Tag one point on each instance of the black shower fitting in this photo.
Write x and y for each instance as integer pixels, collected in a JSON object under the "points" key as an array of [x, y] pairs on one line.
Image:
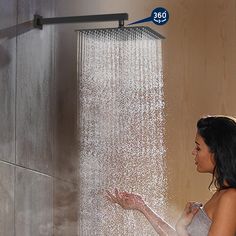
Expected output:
{"points": [[39, 21]]}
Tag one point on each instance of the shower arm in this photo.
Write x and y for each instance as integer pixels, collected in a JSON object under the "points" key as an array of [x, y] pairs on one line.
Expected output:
{"points": [[39, 21]]}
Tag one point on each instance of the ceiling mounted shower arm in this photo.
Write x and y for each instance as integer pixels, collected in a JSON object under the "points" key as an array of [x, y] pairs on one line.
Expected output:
{"points": [[39, 21]]}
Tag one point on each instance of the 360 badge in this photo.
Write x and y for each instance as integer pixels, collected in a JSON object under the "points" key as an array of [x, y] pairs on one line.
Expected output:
{"points": [[160, 16]]}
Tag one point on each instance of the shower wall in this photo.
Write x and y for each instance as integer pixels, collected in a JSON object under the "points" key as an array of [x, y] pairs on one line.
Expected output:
{"points": [[199, 74], [26, 86], [38, 161], [38, 170]]}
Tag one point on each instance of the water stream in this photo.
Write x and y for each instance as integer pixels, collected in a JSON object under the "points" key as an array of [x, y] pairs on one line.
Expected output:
{"points": [[120, 129]]}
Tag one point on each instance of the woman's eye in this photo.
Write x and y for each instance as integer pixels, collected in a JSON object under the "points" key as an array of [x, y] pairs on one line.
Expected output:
{"points": [[198, 149]]}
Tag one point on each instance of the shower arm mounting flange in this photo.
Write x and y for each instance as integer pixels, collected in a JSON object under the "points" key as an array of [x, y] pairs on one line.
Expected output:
{"points": [[39, 21]]}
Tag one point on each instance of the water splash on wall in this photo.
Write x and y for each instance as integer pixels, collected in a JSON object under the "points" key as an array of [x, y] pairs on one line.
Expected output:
{"points": [[120, 129]]}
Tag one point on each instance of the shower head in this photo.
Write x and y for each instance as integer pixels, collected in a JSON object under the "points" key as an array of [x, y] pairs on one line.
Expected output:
{"points": [[124, 32]]}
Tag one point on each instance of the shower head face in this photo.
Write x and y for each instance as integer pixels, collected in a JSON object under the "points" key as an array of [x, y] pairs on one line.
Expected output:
{"points": [[124, 33]]}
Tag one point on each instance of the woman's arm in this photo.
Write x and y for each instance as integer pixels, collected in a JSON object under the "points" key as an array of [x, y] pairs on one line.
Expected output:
{"points": [[160, 226], [224, 218], [135, 202], [185, 219]]}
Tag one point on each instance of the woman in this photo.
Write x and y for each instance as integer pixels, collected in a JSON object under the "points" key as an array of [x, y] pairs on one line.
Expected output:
{"points": [[215, 153]]}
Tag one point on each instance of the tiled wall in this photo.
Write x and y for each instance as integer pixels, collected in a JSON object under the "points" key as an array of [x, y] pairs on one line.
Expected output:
{"points": [[38, 161]]}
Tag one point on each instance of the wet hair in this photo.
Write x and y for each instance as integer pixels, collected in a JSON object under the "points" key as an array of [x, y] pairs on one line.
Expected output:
{"points": [[219, 134]]}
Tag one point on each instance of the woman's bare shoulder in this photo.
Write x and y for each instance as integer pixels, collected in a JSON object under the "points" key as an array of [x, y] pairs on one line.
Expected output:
{"points": [[224, 217], [227, 200], [229, 195]]}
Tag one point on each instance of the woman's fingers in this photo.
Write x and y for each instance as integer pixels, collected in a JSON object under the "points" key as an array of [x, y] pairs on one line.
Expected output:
{"points": [[119, 197], [194, 211], [187, 208], [111, 197], [116, 198], [125, 200], [117, 193], [192, 208], [192, 204]]}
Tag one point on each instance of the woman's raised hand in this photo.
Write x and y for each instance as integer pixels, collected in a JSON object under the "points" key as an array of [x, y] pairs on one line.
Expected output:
{"points": [[126, 200]]}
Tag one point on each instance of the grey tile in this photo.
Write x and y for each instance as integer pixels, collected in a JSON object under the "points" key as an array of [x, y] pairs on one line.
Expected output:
{"points": [[7, 79], [27, 8], [33, 203], [66, 159], [66, 100], [7, 177], [35, 90], [66, 93], [65, 204]]}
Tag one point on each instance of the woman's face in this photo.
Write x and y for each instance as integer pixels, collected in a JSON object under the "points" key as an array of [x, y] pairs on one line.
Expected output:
{"points": [[204, 159]]}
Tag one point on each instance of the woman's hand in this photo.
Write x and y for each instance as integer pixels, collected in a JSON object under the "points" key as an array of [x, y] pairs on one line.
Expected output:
{"points": [[185, 219], [135, 202], [126, 200]]}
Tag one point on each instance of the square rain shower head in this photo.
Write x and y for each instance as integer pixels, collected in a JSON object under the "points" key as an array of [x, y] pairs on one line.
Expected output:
{"points": [[123, 33]]}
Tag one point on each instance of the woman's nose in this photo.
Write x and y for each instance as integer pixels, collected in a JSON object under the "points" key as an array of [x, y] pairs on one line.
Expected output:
{"points": [[194, 152]]}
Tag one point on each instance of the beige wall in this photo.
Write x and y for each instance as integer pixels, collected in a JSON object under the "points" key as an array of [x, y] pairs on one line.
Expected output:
{"points": [[200, 69]]}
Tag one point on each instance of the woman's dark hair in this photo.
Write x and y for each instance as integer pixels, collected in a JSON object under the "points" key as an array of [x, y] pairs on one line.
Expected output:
{"points": [[219, 134]]}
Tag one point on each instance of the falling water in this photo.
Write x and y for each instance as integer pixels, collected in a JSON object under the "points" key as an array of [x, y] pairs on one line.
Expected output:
{"points": [[120, 127]]}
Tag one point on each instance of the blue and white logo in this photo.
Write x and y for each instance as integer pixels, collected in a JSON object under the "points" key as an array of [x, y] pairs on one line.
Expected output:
{"points": [[159, 16]]}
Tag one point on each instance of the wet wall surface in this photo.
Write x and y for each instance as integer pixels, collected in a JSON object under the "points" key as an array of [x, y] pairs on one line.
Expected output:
{"points": [[38, 184]]}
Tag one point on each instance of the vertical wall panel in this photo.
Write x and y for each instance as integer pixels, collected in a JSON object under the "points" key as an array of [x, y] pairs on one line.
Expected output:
{"points": [[7, 79], [33, 203], [65, 74], [34, 127], [7, 178], [65, 158], [199, 67], [184, 68]]}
